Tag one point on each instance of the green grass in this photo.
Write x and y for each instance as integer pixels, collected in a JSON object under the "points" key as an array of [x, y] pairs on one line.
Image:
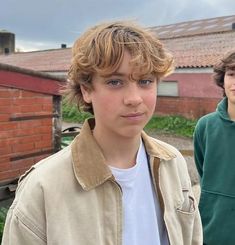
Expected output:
{"points": [[176, 125], [3, 214], [70, 113]]}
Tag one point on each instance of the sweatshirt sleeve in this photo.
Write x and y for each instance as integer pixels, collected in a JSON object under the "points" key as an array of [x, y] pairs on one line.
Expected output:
{"points": [[198, 149], [19, 231]]}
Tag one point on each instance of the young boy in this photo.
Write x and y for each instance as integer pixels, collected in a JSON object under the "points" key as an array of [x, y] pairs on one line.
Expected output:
{"points": [[214, 142], [113, 184]]}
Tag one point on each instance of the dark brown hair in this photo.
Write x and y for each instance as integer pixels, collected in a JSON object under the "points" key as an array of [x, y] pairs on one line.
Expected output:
{"points": [[226, 63]]}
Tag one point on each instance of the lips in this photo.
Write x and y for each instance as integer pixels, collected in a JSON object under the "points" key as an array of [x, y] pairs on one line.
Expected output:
{"points": [[136, 114]]}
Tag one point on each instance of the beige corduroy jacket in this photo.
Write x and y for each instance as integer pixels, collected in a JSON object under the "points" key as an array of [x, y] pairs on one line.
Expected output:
{"points": [[72, 198]]}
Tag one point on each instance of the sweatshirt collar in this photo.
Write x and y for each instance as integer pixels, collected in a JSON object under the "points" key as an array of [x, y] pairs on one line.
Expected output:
{"points": [[89, 163]]}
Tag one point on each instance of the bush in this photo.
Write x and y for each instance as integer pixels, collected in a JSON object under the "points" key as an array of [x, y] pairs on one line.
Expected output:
{"points": [[3, 214], [70, 113], [177, 125]]}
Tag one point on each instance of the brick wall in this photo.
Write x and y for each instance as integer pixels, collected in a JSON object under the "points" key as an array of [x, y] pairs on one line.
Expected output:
{"points": [[187, 107], [25, 130]]}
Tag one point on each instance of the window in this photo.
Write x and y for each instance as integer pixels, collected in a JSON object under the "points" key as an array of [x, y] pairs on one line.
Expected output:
{"points": [[168, 88]]}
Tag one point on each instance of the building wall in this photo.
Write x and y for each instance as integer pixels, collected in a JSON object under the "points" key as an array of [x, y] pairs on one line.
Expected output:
{"points": [[192, 108], [198, 95], [196, 85], [25, 130]]}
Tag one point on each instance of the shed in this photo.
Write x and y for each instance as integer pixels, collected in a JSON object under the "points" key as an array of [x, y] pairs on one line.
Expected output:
{"points": [[30, 122]]}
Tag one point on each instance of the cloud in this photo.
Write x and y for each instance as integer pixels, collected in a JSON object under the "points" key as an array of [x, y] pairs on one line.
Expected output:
{"points": [[46, 23]]}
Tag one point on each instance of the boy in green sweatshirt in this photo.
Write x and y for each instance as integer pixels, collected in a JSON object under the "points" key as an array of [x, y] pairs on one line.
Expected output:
{"points": [[214, 144]]}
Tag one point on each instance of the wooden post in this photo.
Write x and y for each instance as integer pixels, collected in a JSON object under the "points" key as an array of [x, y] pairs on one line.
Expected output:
{"points": [[57, 122]]}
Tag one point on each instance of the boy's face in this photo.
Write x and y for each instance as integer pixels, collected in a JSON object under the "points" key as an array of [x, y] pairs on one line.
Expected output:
{"points": [[122, 106], [229, 85]]}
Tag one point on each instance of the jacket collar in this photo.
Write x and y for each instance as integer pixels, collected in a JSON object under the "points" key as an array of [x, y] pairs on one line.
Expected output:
{"points": [[89, 162]]}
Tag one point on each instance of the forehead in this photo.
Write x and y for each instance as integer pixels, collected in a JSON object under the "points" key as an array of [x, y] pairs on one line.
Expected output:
{"points": [[131, 66]]}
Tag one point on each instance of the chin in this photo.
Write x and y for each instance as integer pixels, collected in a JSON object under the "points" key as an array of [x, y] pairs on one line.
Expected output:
{"points": [[131, 133]]}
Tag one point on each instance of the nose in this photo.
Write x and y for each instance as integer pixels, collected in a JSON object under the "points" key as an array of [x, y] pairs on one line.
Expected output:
{"points": [[132, 96]]}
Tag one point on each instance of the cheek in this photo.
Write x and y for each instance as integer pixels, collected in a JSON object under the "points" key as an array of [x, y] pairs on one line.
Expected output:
{"points": [[105, 103], [150, 99]]}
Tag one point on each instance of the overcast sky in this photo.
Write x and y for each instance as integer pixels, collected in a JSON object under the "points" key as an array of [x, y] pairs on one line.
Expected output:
{"points": [[46, 24]]}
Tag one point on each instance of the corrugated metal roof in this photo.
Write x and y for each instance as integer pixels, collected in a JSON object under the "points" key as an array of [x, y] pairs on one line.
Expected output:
{"points": [[196, 27], [194, 44]]}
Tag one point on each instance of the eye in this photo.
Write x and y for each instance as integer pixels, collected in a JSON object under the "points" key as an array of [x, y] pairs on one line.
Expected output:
{"points": [[230, 73], [145, 82], [114, 83]]}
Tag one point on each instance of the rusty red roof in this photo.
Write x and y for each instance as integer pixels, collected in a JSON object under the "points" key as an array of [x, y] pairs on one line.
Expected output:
{"points": [[194, 44], [44, 60]]}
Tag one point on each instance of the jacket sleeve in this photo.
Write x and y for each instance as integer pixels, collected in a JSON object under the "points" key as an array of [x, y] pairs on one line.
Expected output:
{"points": [[198, 150], [19, 231]]}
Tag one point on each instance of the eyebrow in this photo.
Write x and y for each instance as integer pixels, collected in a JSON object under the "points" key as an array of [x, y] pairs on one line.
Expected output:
{"points": [[117, 74]]}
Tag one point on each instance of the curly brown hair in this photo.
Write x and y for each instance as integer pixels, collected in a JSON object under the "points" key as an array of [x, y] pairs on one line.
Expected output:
{"points": [[100, 51], [219, 69]]}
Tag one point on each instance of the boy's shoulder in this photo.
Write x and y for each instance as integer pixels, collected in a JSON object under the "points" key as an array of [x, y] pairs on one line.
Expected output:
{"points": [[160, 148], [49, 170], [206, 120]]}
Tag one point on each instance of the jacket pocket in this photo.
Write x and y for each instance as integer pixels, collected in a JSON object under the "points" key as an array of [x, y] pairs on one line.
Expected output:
{"points": [[187, 212], [187, 205]]}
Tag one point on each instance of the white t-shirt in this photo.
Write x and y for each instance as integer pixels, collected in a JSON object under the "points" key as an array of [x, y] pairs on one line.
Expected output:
{"points": [[143, 222]]}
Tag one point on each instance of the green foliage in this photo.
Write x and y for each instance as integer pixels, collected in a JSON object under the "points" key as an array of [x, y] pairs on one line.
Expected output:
{"points": [[3, 214], [70, 113], [176, 125]]}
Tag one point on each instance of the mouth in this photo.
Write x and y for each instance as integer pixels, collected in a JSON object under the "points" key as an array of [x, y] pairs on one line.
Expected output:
{"points": [[135, 114], [134, 117]]}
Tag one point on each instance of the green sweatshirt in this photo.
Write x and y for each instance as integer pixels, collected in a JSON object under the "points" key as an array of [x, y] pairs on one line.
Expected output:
{"points": [[214, 147]]}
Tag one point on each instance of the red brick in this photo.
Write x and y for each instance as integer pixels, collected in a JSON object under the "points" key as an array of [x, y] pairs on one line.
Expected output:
{"points": [[43, 144], [6, 101], [9, 93], [31, 108], [44, 100], [23, 147], [25, 101], [47, 108], [9, 109], [25, 93], [4, 117], [5, 166], [39, 158], [30, 124], [9, 175], [4, 159], [26, 132], [5, 150], [47, 136], [9, 126], [47, 122], [28, 139], [6, 134], [23, 163], [43, 130]]}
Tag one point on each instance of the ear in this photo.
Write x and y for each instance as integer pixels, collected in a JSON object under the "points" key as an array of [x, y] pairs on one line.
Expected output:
{"points": [[86, 94]]}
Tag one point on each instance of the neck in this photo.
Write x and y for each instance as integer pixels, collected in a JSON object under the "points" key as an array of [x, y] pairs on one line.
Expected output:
{"points": [[119, 152], [231, 111]]}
